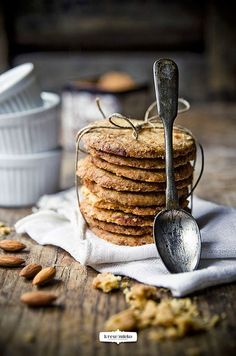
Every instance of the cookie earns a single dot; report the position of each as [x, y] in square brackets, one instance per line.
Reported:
[86, 170]
[100, 203]
[130, 198]
[116, 82]
[157, 176]
[150, 143]
[118, 229]
[115, 217]
[119, 239]
[144, 163]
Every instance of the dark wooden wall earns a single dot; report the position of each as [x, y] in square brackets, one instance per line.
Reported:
[108, 25]
[199, 31]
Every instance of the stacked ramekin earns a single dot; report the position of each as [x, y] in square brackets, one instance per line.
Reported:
[30, 156]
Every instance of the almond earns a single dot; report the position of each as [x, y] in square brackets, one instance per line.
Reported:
[30, 270]
[38, 298]
[45, 275]
[10, 261]
[12, 245]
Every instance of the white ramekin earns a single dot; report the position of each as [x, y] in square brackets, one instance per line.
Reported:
[24, 179]
[31, 131]
[19, 89]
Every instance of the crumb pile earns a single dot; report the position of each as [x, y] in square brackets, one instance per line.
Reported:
[150, 307]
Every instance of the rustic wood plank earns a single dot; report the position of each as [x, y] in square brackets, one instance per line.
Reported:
[72, 326]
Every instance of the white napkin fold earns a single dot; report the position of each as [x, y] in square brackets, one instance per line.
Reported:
[57, 222]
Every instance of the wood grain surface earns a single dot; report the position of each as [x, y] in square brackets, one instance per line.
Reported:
[71, 327]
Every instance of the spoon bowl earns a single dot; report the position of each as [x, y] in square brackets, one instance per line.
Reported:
[178, 240]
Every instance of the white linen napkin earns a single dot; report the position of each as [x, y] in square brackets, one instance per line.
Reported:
[58, 222]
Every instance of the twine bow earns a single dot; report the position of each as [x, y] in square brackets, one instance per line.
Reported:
[148, 122]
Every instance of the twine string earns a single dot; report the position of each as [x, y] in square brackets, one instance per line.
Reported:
[148, 122]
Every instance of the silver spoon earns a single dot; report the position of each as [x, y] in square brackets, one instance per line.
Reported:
[176, 232]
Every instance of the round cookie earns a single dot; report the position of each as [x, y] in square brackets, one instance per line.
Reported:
[115, 217]
[87, 170]
[144, 163]
[157, 176]
[116, 81]
[150, 142]
[100, 203]
[130, 198]
[123, 240]
[118, 229]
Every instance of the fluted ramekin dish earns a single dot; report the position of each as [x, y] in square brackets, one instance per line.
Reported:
[24, 179]
[33, 130]
[19, 89]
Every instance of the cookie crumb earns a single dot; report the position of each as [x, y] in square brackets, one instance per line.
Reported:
[169, 318]
[124, 321]
[106, 282]
[138, 295]
[4, 229]
[29, 337]
[193, 351]
[125, 283]
[176, 318]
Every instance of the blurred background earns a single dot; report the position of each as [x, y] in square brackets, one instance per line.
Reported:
[72, 40]
[68, 39]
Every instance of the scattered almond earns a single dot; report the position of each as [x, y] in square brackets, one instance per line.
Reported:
[30, 270]
[10, 261]
[38, 298]
[44, 276]
[12, 245]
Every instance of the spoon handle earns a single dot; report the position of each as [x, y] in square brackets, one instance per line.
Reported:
[166, 79]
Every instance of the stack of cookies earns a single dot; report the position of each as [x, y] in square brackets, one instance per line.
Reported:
[123, 180]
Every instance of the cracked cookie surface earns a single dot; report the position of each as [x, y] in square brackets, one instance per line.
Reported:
[124, 240]
[154, 176]
[101, 203]
[130, 198]
[87, 170]
[121, 142]
[144, 163]
[115, 217]
[112, 227]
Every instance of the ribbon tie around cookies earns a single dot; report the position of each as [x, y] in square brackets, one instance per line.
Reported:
[118, 121]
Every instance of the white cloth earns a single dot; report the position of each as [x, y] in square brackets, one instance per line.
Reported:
[57, 222]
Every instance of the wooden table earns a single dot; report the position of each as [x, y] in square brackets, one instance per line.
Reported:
[72, 329]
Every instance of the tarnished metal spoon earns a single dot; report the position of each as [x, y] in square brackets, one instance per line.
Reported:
[176, 232]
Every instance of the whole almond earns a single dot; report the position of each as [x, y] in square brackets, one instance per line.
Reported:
[12, 245]
[10, 261]
[38, 298]
[30, 270]
[44, 276]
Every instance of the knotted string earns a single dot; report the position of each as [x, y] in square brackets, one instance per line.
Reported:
[149, 122]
